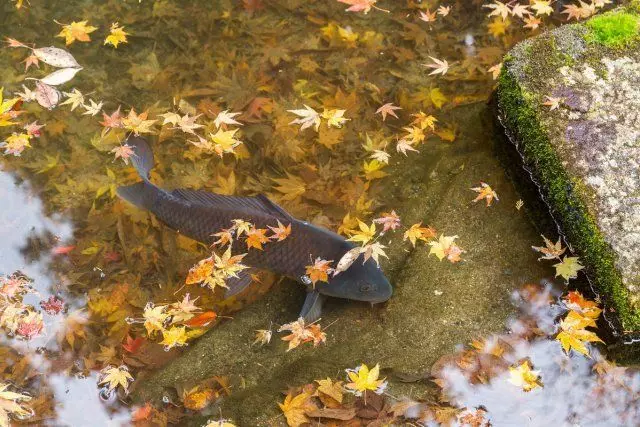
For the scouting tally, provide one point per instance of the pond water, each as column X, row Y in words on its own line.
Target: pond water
column 97, row 263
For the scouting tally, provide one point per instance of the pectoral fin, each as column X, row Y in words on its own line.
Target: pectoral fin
column 312, row 307
column 235, row 285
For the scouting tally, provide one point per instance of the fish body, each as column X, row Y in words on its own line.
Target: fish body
column 199, row 214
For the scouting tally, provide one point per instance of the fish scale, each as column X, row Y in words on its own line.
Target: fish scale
column 288, row 257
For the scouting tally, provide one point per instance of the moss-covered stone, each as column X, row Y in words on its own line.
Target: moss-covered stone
column 615, row 30
column 583, row 155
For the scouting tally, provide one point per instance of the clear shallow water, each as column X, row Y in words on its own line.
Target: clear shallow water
column 260, row 61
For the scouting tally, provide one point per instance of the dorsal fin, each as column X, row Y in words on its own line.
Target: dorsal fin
column 260, row 203
column 274, row 207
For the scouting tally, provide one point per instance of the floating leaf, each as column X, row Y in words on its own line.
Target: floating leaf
column 56, row 57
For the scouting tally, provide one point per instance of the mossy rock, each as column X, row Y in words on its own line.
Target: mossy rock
column 584, row 155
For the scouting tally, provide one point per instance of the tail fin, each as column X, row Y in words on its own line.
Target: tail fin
column 143, row 156
column 141, row 194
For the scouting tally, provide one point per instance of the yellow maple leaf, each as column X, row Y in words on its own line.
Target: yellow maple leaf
column 175, row 336
column 229, row 265
column 6, row 115
column 331, row 389
column 224, row 141
column 568, row 268
column 76, row 31
column 417, row 232
column 524, row 377
column 116, row 35
column 573, row 334
column 137, row 123
column 373, row 170
column 334, row 117
column 445, row 247
column 11, row 404
column 154, row 318
column 291, row 187
column 363, row 379
column 294, row 408
column 114, row 376
column 365, row 234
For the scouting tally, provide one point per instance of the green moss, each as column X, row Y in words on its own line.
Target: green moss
column 564, row 196
column 615, row 30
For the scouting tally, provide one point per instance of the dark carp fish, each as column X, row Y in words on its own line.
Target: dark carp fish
column 198, row 214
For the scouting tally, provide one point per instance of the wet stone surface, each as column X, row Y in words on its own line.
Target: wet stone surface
column 436, row 305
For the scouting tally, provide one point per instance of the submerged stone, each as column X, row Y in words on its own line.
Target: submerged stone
column 436, row 305
column 584, row 155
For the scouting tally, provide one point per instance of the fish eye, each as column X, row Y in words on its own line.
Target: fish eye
column 366, row 287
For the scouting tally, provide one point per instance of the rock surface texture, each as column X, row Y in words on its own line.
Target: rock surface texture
column 584, row 152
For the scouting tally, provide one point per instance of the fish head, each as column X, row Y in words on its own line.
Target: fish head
column 360, row 282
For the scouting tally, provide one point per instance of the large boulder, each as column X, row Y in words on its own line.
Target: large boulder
column 435, row 306
column 569, row 100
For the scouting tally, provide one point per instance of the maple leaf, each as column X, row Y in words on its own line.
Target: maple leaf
column 532, row 22
column 495, row 70
column 263, row 336
column 568, row 268
column 520, row 10
column 319, row 271
column 424, row 120
column 334, row 117
column 445, row 247
column 302, row 333
column 294, row 408
column 33, row 129
column 485, row 192
column 74, row 327
column 124, row 152
column 439, row 66
column 307, row 117
column 577, row 302
column 573, row 335
column 362, row 379
column 132, row 345
column 291, row 187
column 224, row 237
column 188, row 124
column 241, row 226
column 542, row 7
column 331, row 389
column 74, row 98
column 31, row 60
column 6, row 106
column 155, row 317
column 415, row 134
column 15, row 143
column 226, row 118
column 11, row 405
column 523, row 376
column 552, row 102
column 137, row 123
column 389, row 221
column 30, row 325
column 427, row 16
column 280, row 232
column 373, row 170
column 230, row 265
column 112, row 121
column 114, row 376
column 498, row 27
column 499, row 9
column 374, row 251
column 551, row 250
column 53, row 305
column 388, row 108
column 417, row 232
column 93, row 108
column 360, row 5
column 176, row 336
column 116, row 35
column 224, row 141
column 256, row 237
column 402, row 146
column 365, row 234
column 76, row 31
column 444, row 10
